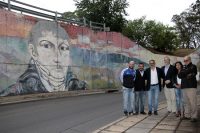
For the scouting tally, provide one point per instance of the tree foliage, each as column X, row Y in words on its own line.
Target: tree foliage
column 70, row 15
column 149, row 33
column 188, row 26
column 110, row 12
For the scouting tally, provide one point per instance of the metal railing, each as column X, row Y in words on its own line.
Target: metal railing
column 56, row 15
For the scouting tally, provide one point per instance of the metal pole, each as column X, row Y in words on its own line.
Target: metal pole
column 8, row 5
column 56, row 18
column 15, row 1
column 90, row 24
column 84, row 21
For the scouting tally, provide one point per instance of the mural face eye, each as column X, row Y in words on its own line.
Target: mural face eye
column 64, row 47
column 46, row 44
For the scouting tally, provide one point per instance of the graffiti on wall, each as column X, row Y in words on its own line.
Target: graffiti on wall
column 44, row 56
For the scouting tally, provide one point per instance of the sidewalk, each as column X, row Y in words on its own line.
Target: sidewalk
column 162, row 123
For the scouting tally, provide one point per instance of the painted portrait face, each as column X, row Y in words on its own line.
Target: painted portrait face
column 51, row 51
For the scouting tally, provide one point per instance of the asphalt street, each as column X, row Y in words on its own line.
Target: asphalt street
column 79, row 114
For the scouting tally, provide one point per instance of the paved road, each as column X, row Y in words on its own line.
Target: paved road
column 82, row 114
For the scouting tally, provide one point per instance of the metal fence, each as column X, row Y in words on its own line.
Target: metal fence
column 53, row 15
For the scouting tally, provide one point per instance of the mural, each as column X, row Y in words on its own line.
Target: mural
column 39, row 56
column 48, row 46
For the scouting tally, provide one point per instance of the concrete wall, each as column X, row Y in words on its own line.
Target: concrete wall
column 44, row 56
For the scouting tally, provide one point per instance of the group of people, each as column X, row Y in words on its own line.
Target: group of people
column 178, row 81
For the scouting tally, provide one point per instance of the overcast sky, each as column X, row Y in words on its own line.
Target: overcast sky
column 159, row 10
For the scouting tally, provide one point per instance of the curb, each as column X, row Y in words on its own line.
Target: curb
column 110, row 124
column 47, row 96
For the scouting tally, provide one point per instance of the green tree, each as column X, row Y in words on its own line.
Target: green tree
column 110, row 12
column 70, row 15
column 187, row 25
column 135, row 30
column 149, row 33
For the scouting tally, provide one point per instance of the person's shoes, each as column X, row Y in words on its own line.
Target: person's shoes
column 185, row 118
column 149, row 113
column 193, row 120
column 130, row 113
column 168, row 112
column 136, row 113
column 125, row 113
column 178, row 114
column 144, row 113
column 155, row 113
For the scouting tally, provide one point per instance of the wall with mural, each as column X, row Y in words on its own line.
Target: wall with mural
column 44, row 56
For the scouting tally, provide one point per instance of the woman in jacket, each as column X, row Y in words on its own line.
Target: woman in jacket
column 178, row 92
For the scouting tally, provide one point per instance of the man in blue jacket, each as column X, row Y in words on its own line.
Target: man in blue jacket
column 127, row 78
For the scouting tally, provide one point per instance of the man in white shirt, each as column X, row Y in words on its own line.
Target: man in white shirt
column 153, row 81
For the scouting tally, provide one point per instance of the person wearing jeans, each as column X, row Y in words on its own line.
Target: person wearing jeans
column 179, row 102
column 153, row 81
column 140, row 91
column 140, row 102
column 178, row 91
column 128, row 101
column 127, row 78
column 153, row 95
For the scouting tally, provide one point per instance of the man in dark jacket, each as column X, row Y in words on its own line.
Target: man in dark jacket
column 140, row 89
column 169, row 73
column 189, row 89
column 153, row 80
